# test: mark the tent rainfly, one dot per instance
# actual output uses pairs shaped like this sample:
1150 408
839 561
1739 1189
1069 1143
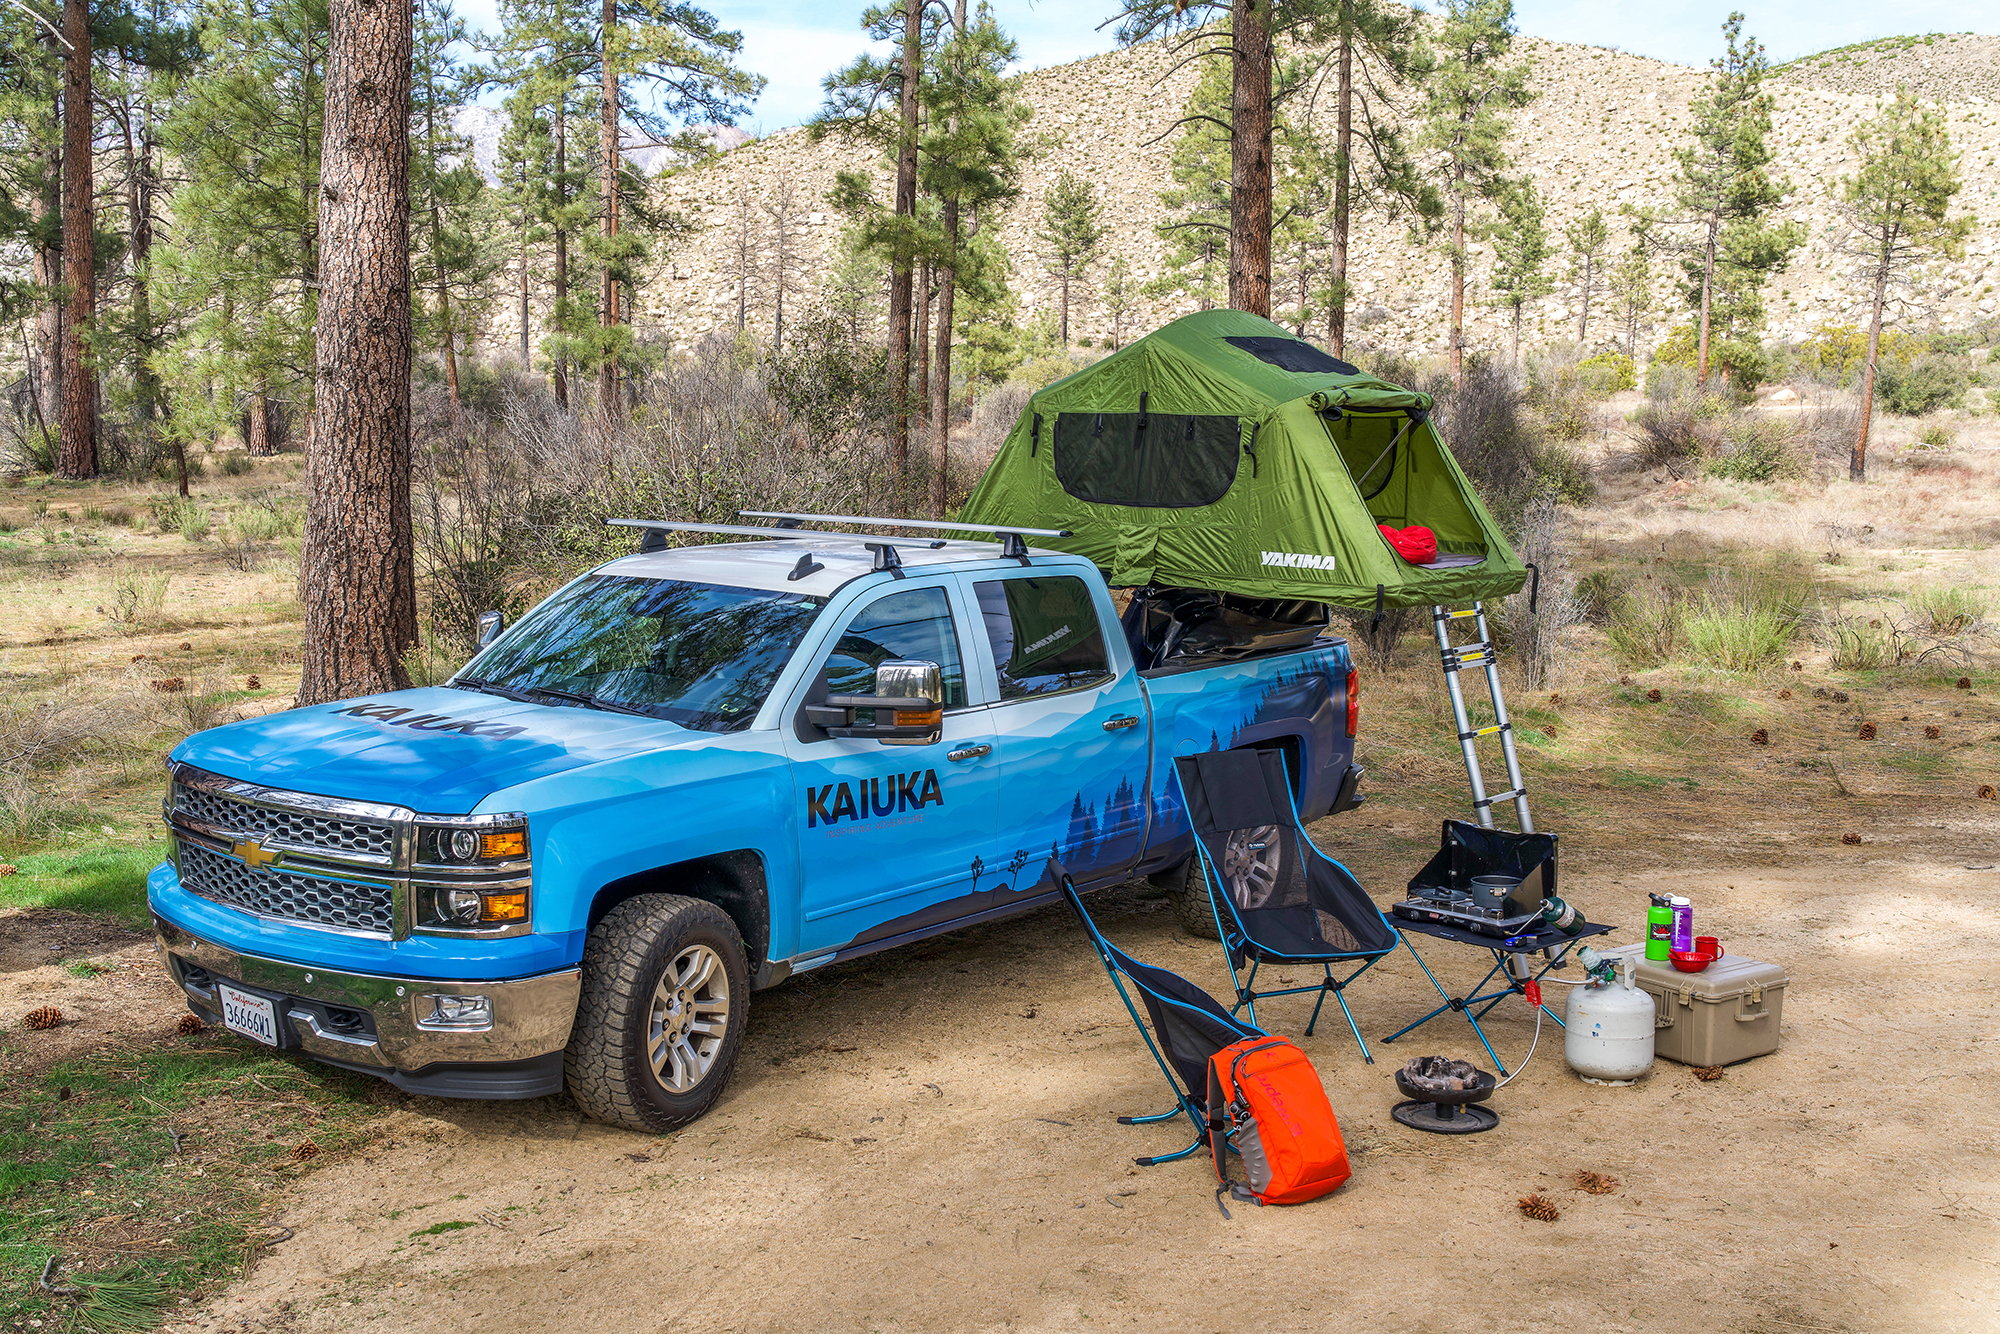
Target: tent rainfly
1222 453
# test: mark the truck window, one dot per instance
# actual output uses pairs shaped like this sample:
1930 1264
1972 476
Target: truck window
915 623
701 655
1044 635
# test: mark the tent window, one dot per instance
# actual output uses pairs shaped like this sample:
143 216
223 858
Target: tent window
1289 354
1175 462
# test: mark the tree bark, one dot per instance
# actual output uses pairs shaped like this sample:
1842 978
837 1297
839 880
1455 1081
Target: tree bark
1583 317
1458 279
45 271
608 293
443 287
257 435
901 267
941 394
357 579
921 300
524 296
78 446
1707 290
1857 465
1250 158
1343 203
559 364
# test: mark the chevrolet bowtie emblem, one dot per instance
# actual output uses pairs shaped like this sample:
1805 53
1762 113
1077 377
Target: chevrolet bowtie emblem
252 853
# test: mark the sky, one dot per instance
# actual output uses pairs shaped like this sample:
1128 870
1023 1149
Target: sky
797 44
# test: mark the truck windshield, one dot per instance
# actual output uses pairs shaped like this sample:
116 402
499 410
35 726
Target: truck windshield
701 655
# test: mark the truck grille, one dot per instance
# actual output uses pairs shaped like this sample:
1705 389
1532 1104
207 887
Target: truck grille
342 904
300 829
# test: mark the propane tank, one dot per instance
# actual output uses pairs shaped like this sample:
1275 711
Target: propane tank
1608 1030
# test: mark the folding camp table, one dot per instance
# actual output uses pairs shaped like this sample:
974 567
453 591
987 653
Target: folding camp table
1558 943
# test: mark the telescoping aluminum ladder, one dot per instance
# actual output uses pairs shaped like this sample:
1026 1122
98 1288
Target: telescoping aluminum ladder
1461 657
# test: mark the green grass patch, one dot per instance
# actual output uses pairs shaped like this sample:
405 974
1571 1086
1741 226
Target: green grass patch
436 1229
90 1171
105 882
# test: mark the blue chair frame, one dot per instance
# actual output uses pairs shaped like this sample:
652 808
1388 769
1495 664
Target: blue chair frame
1238 942
1152 984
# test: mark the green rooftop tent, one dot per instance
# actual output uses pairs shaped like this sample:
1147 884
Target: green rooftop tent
1222 453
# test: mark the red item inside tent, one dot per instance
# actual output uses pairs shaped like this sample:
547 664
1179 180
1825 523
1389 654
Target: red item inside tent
1417 545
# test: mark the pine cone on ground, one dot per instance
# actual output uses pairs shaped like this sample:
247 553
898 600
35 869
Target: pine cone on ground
1760 737
189 1025
1784 694
45 1016
1851 840
1707 1073
1596 1183
1932 733
1867 732
1653 696
306 1152
1987 792
1538 1206
1964 683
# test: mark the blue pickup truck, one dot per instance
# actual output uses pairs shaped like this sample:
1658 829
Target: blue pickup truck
693 772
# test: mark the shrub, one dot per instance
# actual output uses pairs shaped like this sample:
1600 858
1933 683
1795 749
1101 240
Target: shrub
1563 471
1747 618
136 597
1608 373
1758 448
174 513
1736 363
1680 425
1645 627
1949 609
1923 385
235 463
1856 644
1936 436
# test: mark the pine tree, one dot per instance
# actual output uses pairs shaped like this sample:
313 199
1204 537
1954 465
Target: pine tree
1071 229
877 101
1196 226
31 201
1726 195
1468 98
1587 237
243 288
1120 293
1631 280
450 263
1896 206
1521 252
1377 53
522 161
78 455
969 161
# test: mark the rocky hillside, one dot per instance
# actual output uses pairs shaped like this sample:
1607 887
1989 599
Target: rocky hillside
1602 132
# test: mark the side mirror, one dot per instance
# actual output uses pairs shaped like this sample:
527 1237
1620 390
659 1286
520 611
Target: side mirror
491 623
909 690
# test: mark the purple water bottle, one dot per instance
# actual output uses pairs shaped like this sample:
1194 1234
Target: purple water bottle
1683 936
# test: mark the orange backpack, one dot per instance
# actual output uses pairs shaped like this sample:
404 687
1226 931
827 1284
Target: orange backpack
1265 1095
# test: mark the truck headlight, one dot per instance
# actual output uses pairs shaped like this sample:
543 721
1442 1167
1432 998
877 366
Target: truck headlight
470 907
471 875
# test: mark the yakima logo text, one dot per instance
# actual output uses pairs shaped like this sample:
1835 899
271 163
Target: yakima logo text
1298 560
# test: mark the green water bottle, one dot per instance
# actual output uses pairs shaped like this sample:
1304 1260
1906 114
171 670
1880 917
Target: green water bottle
1659 928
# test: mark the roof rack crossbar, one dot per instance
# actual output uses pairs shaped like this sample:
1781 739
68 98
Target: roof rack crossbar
907 523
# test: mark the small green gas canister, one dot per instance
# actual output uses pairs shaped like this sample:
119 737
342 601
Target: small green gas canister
1659 927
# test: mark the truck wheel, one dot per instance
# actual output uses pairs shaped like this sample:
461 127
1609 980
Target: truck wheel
666 997
1191 901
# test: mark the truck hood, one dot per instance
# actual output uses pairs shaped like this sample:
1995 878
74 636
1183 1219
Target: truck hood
435 750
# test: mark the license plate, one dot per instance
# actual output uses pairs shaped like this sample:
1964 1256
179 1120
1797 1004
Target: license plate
252 1016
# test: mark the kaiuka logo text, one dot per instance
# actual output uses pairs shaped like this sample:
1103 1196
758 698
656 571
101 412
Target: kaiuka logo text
392 716
869 798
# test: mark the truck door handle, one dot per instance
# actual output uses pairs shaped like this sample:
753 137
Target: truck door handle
969 752
1120 723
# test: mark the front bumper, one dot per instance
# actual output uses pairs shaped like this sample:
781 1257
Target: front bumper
391 1026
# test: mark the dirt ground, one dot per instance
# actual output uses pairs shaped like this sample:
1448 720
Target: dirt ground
925 1140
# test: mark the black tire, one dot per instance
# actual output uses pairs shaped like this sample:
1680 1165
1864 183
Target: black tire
1191 903
609 1065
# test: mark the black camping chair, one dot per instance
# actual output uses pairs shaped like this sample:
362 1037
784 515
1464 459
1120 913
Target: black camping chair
1188 1022
1276 897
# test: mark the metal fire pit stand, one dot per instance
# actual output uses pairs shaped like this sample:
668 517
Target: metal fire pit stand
1510 961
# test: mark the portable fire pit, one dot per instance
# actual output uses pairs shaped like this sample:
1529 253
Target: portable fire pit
1443 1097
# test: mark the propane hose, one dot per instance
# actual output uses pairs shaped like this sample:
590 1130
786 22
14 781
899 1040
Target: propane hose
1534 994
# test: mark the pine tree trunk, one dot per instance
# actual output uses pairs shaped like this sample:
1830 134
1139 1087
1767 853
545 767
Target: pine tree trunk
1064 279
608 317
1583 317
941 393
921 396
1250 158
1343 204
1707 292
1857 465
901 276
357 578
1517 332
1458 279
257 439
559 364
79 228
443 287
145 181
525 363
46 272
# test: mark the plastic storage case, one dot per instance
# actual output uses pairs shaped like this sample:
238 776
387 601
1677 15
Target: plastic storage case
1728 1012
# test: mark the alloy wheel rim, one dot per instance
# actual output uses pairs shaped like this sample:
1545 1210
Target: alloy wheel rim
688 1018
1250 865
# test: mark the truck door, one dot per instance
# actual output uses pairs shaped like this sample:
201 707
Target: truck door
891 836
1069 728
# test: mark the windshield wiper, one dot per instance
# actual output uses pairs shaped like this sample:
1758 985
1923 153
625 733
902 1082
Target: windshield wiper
588 701
491 688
